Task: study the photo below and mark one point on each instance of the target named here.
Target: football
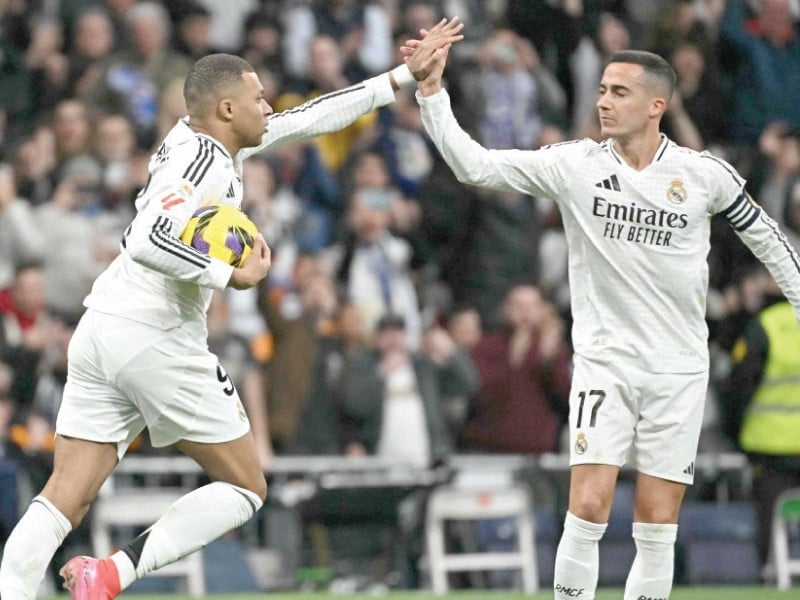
(221, 231)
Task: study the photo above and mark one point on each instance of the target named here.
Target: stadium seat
(717, 543)
(785, 521)
(500, 535)
(134, 509)
(455, 503)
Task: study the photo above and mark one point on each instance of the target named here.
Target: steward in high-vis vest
(772, 418)
(761, 406)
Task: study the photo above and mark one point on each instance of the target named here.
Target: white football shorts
(622, 414)
(124, 376)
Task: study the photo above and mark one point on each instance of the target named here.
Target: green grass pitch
(680, 593)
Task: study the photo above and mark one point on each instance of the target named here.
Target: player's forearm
(332, 111)
(470, 162)
(150, 242)
(771, 247)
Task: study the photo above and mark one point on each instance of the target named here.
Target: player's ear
(225, 109)
(657, 106)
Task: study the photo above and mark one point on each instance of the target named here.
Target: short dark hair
(654, 65)
(210, 77)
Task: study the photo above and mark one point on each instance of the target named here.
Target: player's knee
(256, 485)
(656, 514)
(260, 488)
(590, 506)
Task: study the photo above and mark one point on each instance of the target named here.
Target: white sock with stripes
(30, 548)
(193, 521)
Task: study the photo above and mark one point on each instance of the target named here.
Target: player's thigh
(235, 462)
(602, 415)
(183, 393)
(92, 408)
(670, 419)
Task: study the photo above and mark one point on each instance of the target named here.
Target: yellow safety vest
(772, 420)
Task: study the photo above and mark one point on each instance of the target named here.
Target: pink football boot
(89, 578)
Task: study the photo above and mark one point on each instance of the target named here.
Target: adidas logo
(612, 183)
(231, 193)
(689, 470)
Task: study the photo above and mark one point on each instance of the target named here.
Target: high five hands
(426, 58)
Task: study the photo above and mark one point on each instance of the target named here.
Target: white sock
(193, 521)
(30, 548)
(578, 559)
(654, 565)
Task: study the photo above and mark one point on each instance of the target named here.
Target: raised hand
(427, 57)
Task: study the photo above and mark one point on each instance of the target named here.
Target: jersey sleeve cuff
(381, 87)
(438, 97)
(402, 76)
(218, 274)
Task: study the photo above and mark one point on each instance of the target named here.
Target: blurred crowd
(405, 315)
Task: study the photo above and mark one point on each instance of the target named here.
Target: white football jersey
(638, 240)
(159, 280)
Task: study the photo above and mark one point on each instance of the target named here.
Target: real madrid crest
(676, 193)
(581, 445)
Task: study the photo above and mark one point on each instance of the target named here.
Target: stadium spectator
(760, 404)
(684, 22)
(517, 92)
(325, 74)
(47, 63)
(114, 146)
(17, 102)
(92, 43)
(374, 266)
(262, 42)
(171, 107)
(192, 31)
(780, 147)
(612, 35)
(227, 21)
(765, 49)
(701, 96)
(21, 240)
(321, 423)
(306, 197)
(402, 144)
(34, 163)
(524, 370)
(71, 221)
(26, 329)
(298, 318)
(72, 131)
(362, 31)
(464, 326)
(135, 76)
(392, 399)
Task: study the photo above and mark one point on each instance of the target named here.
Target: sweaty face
(251, 111)
(625, 102)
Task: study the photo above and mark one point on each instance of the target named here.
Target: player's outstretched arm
(339, 109)
(254, 268)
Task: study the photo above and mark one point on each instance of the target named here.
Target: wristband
(402, 75)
